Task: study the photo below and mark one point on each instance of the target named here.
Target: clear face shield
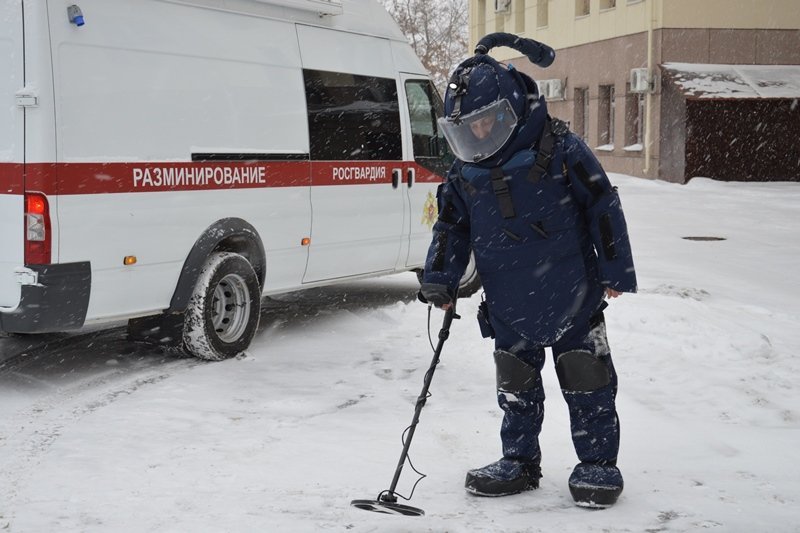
(480, 134)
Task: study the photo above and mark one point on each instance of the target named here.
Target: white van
(171, 161)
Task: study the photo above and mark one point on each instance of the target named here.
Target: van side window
(352, 117)
(424, 108)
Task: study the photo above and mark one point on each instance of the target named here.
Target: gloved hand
(434, 293)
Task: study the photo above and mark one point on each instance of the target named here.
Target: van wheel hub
(230, 308)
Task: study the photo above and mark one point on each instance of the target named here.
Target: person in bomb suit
(550, 241)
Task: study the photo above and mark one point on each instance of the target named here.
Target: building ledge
(698, 80)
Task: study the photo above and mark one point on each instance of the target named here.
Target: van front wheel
(222, 316)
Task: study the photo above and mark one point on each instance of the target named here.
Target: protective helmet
(483, 104)
(487, 101)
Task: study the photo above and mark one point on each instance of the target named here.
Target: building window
(581, 8)
(542, 13)
(581, 112)
(634, 121)
(481, 18)
(608, 4)
(519, 16)
(606, 117)
(352, 117)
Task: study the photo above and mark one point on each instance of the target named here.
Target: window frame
(336, 132)
(545, 10)
(634, 119)
(519, 16)
(606, 123)
(581, 112)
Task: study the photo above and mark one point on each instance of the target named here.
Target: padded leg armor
(589, 385)
(520, 395)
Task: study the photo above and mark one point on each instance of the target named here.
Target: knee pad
(514, 374)
(581, 371)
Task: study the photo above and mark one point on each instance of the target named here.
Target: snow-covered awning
(736, 81)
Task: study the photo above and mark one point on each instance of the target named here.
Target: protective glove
(434, 293)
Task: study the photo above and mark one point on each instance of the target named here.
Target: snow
(101, 435)
(736, 81)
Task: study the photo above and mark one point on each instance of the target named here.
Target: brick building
(667, 89)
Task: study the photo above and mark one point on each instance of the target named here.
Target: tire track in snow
(68, 379)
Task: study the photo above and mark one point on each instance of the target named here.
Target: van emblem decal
(429, 211)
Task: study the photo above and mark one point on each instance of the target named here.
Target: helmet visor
(480, 134)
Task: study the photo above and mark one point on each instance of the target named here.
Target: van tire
(470, 282)
(223, 311)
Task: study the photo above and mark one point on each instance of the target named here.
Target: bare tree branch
(437, 31)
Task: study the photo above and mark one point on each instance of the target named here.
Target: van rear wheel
(222, 316)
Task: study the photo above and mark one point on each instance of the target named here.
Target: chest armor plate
(538, 267)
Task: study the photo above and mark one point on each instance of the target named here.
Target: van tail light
(38, 236)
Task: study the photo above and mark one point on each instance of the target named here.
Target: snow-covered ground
(99, 435)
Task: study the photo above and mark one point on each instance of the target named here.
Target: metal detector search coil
(379, 506)
(386, 502)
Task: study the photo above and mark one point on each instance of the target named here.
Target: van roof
(367, 17)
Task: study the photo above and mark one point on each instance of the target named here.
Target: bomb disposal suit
(547, 230)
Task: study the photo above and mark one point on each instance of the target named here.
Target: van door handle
(410, 173)
(396, 177)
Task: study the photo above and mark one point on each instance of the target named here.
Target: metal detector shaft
(449, 314)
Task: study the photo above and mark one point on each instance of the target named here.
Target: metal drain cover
(704, 238)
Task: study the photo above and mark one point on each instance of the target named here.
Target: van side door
(356, 154)
(427, 161)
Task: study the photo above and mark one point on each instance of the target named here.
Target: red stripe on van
(104, 178)
(100, 178)
(353, 172)
(11, 178)
(366, 172)
(41, 177)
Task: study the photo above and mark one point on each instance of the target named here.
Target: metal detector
(386, 502)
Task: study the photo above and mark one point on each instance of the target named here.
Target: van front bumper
(58, 302)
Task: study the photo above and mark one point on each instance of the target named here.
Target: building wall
(734, 14)
(563, 29)
(730, 46)
(591, 66)
(566, 29)
(672, 134)
(601, 49)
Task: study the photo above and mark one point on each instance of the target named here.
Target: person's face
(482, 127)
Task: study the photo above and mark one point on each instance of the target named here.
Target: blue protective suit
(544, 272)
(546, 244)
(551, 261)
